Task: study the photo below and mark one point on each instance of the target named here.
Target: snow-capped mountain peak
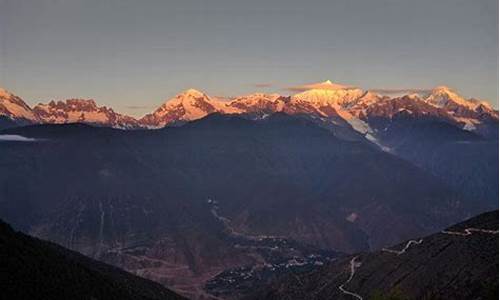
(329, 96)
(15, 108)
(326, 100)
(255, 98)
(4, 93)
(259, 103)
(82, 111)
(194, 93)
(442, 88)
(445, 97)
(189, 99)
(325, 85)
(186, 106)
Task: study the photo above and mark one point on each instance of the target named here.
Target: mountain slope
(139, 199)
(445, 97)
(6, 122)
(36, 269)
(187, 106)
(460, 262)
(432, 139)
(13, 111)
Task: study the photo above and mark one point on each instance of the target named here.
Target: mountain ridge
(82, 111)
(322, 100)
(434, 130)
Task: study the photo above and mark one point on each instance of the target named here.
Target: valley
(249, 150)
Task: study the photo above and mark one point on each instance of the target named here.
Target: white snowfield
(13, 107)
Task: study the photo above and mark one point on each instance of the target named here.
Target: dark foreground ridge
(460, 262)
(36, 269)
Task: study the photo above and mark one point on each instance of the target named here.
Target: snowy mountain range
(247, 180)
(326, 101)
(82, 111)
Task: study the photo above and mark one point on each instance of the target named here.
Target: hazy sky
(132, 55)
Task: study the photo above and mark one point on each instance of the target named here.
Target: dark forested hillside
(36, 269)
(460, 262)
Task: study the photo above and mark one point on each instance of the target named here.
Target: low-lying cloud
(15, 138)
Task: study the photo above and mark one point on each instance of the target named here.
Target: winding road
(233, 232)
(469, 231)
(408, 244)
(354, 266)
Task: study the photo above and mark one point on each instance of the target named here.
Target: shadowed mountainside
(139, 199)
(460, 262)
(36, 269)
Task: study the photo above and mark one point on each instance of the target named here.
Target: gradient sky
(132, 55)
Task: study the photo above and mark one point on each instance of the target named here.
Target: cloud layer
(263, 85)
(15, 138)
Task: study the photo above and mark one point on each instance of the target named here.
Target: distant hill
(460, 262)
(36, 269)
